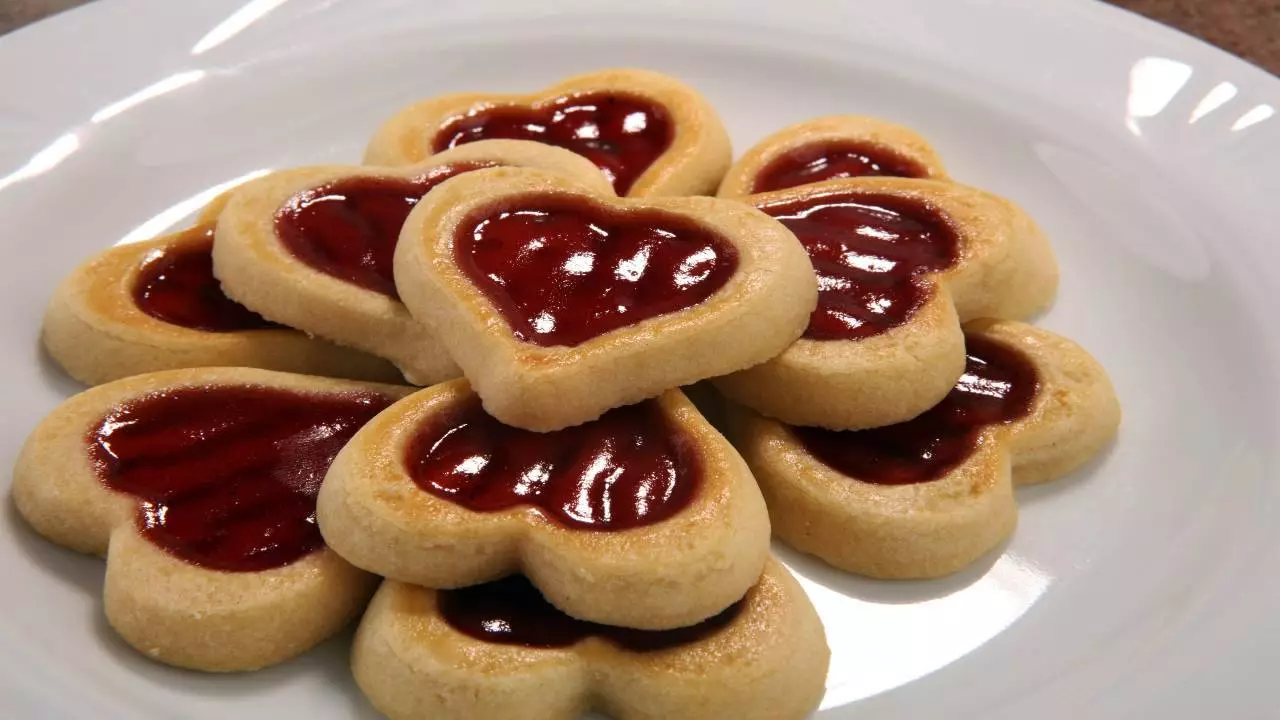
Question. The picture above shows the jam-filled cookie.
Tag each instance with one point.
(156, 305)
(927, 497)
(829, 148)
(199, 487)
(559, 303)
(901, 263)
(649, 133)
(499, 652)
(646, 518)
(312, 247)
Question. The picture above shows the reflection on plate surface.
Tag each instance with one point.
(1148, 160)
(886, 634)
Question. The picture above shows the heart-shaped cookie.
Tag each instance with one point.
(830, 148)
(559, 303)
(312, 247)
(199, 487)
(930, 496)
(900, 263)
(644, 518)
(156, 305)
(499, 651)
(649, 133)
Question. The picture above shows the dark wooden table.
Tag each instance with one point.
(1248, 28)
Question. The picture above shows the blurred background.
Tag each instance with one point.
(1248, 28)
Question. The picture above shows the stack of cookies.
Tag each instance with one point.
(549, 524)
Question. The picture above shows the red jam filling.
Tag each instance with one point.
(349, 228)
(869, 252)
(999, 385)
(630, 468)
(831, 159)
(623, 135)
(176, 285)
(511, 611)
(562, 270)
(227, 476)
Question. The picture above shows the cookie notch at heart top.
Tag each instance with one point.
(282, 252)
(652, 134)
(156, 305)
(217, 565)
(928, 497)
(901, 264)
(413, 658)
(547, 387)
(646, 518)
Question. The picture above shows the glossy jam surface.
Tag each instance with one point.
(511, 611)
(630, 468)
(349, 228)
(999, 385)
(869, 252)
(831, 159)
(227, 476)
(623, 135)
(176, 285)
(562, 270)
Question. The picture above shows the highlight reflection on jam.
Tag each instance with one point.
(563, 270)
(349, 228)
(999, 385)
(511, 611)
(227, 476)
(176, 285)
(869, 252)
(827, 160)
(630, 468)
(621, 134)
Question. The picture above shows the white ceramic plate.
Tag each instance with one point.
(1143, 587)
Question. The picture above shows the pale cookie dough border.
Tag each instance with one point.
(169, 609)
(675, 572)
(95, 330)
(768, 663)
(761, 310)
(1005, 268)
(693, 164)
(258, 271)
(935, 528)
(740, 180)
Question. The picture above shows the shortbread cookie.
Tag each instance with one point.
(900, 263)
(312, 247)
(930, 496)
(646, 517)
(499, 652)
(199, 487)
(829, 148)
(650, 133)
(559, 304)
(157, 306)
